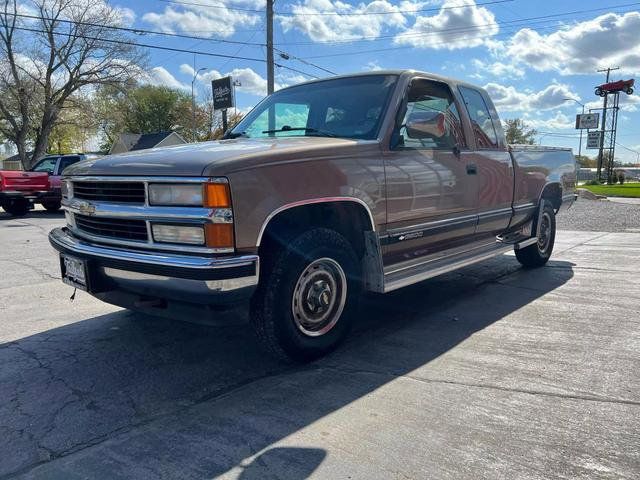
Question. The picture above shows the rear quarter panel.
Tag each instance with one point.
(537, 167)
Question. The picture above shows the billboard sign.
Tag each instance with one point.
(587, 121)
(222, 93)
(594, 140)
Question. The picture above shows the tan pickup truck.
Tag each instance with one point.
(366, 182)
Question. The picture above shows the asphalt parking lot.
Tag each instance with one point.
(490, 372)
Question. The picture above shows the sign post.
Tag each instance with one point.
(223, 97)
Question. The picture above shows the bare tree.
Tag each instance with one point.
(50, 50)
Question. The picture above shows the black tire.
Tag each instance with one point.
(302, 266)
(538, 254)
(53, 206)
(17, 207)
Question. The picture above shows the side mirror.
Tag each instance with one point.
(426, 125)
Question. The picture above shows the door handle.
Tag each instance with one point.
(472, 169)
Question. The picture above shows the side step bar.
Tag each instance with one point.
(401, 276)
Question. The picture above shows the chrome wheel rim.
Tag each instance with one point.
(319, 297)
(544, 237)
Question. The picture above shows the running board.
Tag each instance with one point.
(405, 275)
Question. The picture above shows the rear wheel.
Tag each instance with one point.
(52, 206)
(538, 254)
(307, 297)
(17, 207)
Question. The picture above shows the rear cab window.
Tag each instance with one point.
(483, 123)
(67, 162)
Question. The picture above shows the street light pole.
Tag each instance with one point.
(193, 102)
(581, 104)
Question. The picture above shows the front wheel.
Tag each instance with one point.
(538, 254)
(52, 206)
(307, 297)
(18, 207)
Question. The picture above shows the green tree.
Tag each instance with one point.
(150, 109)
(518, 132)
(586, 162)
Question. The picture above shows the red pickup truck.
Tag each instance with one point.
(19, 190)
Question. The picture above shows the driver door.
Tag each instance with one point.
(430, 176)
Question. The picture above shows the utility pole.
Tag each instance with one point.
(270, 73)
(604, 124)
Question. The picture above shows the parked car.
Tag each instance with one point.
(366, 182)
(625, 86)
(19, 190)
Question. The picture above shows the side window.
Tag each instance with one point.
(47, 164)
(294, 115)
(432, 120)
(481, 121)
(65, 162)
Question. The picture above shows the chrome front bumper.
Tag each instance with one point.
(161, 275)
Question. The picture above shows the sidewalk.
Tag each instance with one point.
(632, 201)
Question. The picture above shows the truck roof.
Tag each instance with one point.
(399, 72)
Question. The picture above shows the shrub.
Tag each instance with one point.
(621, 177)
(593, 182)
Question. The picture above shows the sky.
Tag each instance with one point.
(529, 55)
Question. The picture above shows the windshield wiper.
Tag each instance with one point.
(287, 128)
(232, 135)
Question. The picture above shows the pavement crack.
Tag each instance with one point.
(567, 396)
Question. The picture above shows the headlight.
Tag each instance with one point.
(65, 188)
(192, 235)
(176, 194)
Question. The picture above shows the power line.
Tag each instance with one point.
(288, 56)
(337, 14)
(502, 33)
(525, 21)
(222, 7)
(170, 49)
(364, 14)
(137, 31)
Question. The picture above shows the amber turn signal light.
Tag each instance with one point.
(219, 235)
(217, 195)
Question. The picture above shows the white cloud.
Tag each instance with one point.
(373, 66)
(458, 24)
(322, 28)
(160, 76)
(126, 16)
(582, 48)
(497, 69)
(559, 121)
(201, 21)
(509, 99)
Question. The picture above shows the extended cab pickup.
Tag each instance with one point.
(367, 182)
(19, 190)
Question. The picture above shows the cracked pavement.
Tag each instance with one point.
(489, 372)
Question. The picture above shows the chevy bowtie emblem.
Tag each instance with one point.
(86, 208)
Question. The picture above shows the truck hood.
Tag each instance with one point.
(19, 180)
(215, 158)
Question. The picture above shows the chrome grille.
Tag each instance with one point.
(121, 192)
(119, 228)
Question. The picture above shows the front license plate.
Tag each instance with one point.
(74, 272)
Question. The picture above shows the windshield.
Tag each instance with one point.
(344, 107)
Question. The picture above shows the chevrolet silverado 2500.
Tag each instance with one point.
(367, 182)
